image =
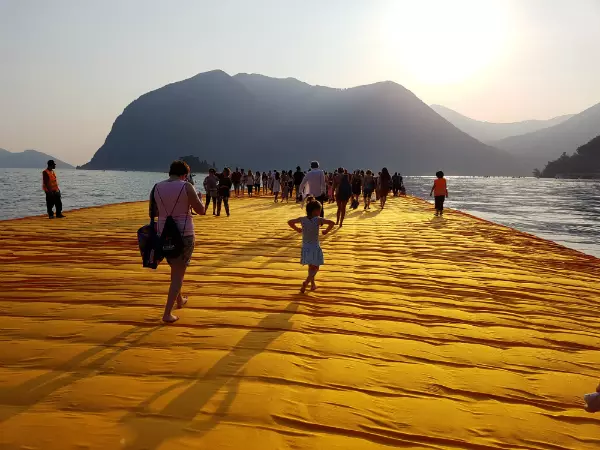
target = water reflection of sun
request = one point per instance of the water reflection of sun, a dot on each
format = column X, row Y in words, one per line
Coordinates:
column 444, row 41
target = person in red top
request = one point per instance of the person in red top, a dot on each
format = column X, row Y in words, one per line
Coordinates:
column 50, row 187
column 440, row 192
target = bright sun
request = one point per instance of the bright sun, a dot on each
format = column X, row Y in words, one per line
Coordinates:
column 444, row 41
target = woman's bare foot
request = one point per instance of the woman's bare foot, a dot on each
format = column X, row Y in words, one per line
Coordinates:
column 303, row 288
column 313, row 287
column 182, row 303
column 170, row 319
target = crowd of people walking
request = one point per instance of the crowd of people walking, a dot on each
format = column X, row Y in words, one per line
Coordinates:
column 341, row 187
column 174, row 200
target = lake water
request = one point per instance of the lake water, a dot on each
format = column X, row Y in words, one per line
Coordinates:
column 565, row 211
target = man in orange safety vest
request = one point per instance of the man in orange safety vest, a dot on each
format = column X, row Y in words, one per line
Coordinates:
column 50, row 186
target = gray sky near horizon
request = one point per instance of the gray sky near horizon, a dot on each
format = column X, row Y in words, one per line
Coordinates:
column 70, row 67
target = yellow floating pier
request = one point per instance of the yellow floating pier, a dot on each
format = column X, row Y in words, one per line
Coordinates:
column 449, row 333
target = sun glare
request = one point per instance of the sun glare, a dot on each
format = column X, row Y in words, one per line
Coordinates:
column 444, row 41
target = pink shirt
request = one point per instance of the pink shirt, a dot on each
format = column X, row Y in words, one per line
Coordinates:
column 165, row 195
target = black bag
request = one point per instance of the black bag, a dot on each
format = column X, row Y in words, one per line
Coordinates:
column 147, row 242
column 170, row 244
column 148, row 238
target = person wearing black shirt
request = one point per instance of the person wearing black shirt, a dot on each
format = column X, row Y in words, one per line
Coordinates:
column 223, row 190
column 298, row 177
column 236, row 179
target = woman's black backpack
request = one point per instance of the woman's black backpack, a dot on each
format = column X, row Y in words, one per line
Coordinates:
column 170, row 243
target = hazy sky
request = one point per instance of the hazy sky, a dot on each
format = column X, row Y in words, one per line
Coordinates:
column 69, row 67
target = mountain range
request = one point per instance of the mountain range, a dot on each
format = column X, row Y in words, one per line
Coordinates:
column 29, row 159
column 547, row 144
column 258, row 122
column 490, row 132
column 536, row 147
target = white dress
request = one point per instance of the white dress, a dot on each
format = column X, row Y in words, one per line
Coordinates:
column 311, row 248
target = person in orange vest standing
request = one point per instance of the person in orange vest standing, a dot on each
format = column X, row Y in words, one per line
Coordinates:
column 50, row 186
column 440, row 192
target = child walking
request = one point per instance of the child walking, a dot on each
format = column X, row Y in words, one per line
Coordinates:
column 440, row 192
column 311, row 248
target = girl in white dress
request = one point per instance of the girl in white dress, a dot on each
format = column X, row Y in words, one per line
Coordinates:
column 311, row 248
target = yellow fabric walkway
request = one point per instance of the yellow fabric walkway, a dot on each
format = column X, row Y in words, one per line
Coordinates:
column 424, row 333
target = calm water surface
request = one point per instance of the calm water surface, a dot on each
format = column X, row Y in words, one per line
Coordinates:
column 565, row 211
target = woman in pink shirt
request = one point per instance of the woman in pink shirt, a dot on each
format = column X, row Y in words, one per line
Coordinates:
column 175, row 197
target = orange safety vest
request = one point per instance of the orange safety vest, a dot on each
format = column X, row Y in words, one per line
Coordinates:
column 52, row 185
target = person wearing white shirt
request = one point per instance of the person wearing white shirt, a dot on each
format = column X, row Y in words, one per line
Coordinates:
column 314, row 184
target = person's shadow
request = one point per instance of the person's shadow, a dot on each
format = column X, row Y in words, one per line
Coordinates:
column 369, row 214
column 354, row 213
column 438, row 222
column 83, row 365
column 179, row 415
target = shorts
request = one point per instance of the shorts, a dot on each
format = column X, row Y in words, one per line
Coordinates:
column 368, row 192
column 236, row 186
column 188, row 250
column 355, row 190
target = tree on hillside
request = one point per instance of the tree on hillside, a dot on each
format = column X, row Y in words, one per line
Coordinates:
column 584, row 162
column 196, row 165
column 537, row 173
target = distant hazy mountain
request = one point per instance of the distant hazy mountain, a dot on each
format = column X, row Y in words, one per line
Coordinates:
column 488, row 131
column 29, row 159
column 549, row 143
column 261, row 123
